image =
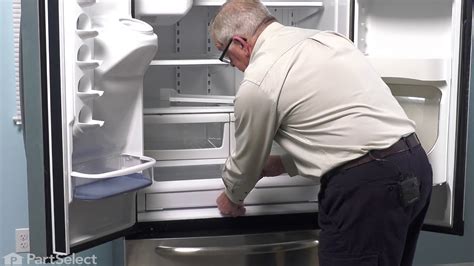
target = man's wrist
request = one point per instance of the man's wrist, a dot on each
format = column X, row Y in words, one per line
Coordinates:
column 232, row 199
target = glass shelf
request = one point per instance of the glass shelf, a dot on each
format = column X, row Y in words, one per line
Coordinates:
column 186, row 62
column 266, row 3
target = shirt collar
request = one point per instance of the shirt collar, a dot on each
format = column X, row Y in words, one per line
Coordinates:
column 267, row 33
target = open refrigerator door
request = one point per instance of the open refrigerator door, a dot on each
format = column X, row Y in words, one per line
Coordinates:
column 93, row 56
column 422, row 51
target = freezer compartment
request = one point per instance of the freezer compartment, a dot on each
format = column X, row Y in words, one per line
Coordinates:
column 279, row 248
column 106, row 177
column 187, row 136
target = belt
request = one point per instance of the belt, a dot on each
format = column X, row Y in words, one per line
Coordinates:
column 404, row 144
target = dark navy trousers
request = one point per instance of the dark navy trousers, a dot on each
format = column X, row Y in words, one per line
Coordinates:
column 361, row 215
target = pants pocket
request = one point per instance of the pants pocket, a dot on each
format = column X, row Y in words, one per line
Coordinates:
column 326, row 259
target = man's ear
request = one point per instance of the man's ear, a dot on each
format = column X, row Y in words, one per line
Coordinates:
column 242, row 41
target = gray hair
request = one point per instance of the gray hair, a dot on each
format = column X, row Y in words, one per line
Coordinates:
column 238, row 17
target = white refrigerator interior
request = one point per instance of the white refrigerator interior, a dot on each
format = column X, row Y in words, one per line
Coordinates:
column 414, row 48
column 189, row 121
column 147, row 117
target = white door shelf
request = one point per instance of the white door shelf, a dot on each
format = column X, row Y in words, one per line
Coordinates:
column 107, row 177
column 109, row 187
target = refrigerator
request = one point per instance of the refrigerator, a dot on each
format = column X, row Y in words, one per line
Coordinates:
column 128, row 119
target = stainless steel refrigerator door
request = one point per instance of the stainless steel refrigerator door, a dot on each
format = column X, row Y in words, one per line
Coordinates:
column 279, row 249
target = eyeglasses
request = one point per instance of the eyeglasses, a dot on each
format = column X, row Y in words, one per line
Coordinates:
column 223, row 57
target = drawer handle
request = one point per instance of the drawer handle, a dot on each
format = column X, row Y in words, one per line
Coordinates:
column 244, row 249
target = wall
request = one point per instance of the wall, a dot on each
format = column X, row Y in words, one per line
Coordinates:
column 13, row 184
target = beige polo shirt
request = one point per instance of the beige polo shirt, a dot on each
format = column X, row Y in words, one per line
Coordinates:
column 316, row 95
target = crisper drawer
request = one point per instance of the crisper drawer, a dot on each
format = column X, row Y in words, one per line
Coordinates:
column 187, row 189
column 187, row 136
column 197, row 184
column 207, row 198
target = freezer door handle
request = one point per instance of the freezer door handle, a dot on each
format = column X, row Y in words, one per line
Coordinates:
column 243, row 249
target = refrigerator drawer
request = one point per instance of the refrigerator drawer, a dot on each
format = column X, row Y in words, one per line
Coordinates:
column 207, row 198
column 191, row 184
column 187, row 136
column 279, row 248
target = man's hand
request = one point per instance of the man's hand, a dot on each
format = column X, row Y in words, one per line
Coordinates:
column 227, row 207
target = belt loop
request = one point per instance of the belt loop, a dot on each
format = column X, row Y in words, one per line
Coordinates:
column 405, row 139
column 417, row 140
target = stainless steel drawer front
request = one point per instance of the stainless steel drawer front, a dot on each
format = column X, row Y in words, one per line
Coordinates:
column 284, row 248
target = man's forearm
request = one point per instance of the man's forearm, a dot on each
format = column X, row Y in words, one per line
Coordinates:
column 273, row 166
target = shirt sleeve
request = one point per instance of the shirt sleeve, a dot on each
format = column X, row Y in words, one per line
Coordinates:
column 255, row 127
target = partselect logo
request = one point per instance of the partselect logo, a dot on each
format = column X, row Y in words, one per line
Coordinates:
column 31, row 259
column 12, row 259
